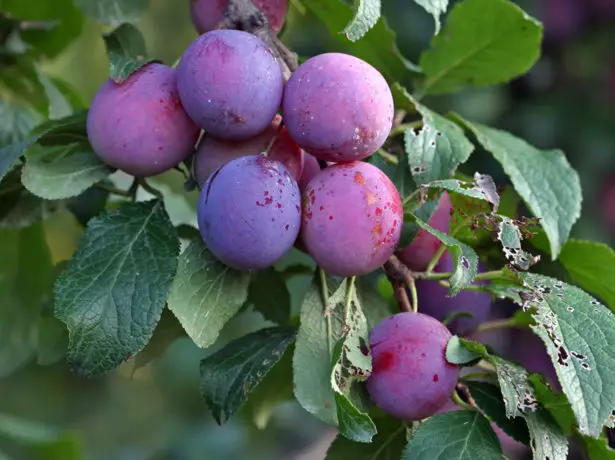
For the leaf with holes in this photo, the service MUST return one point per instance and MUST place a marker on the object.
(206, 294)
(483, 42)
(510, 237)
(112, 12)
(113, 291)
(229, 375)
(557, 404)
(366, 17)
(579, 334)
(126, 51)
(465, 188)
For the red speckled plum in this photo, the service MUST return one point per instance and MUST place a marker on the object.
(249, 212)
(214, 152)
(230, 84)
(433, 300)
(352, 218)
(139, 126)
(419, 253)
(410, 379)
(338, 107)
(206, 14)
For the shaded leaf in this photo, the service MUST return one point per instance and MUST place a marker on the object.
(366, 17)
(435, 8)
(387, 444)
(126, 51)
(464, 352)
(269, 295)
(112, 12)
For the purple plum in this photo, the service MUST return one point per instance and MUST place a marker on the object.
(352, 218)
(310, 169)
(207, 14)
(230, 84)
(139, 126)
(338, 107)
(410, 379)
(249, 212)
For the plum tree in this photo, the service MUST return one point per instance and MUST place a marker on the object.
(351, 240)
(434, 301)
(419, 253)
(352, 115)
(207, 14)
(310, 169)
(230, 84)
(140, 126)
(411, 378)
(214, 152)
(249, 212)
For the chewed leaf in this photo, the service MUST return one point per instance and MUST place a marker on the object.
(481, 189)
(510, 236)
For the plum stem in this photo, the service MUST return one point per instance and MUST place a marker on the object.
(460, 402)
(348, 298)
(400, 129)
(400, 277)
(415, 297)
(478, 375)
(114, 190)
(149, 189)
(497, 324)
(435, 259)
(325, 302)
(388, 157)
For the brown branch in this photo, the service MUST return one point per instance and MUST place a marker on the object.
(400, 277)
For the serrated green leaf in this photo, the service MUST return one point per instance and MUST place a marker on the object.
(544, 179)
(388, 444)
(579, 334)
(354, 424)
(67, 130)
(269, 295)
(366, 17)
(230, 374)
(60, 172)
(435, 8)
(462, 352)
(459, 435)
(126, 52)
(592, 266)
(488, 398)
(465, 188)
(206, 293)
(510, 237)
(378, 47)
(556, 404)
(547, 439)
(464, 257)
(112, 12)
(483, 42)
(113, 291)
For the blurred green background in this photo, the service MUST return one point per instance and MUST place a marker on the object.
(567, 101)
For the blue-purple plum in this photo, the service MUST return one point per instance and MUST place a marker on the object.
(338, 107)
(249, 212)
(230, 84)
(352, 218)
(410, 379)
(214, 152)
(207, 14)
(433, 300)
(419, 253)
(140, 126)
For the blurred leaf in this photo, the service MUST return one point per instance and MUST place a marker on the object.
(377, 47)
(579, 334)
(206, 294)
(21, 81)
(230, 374)
(435, 8)
(598, 449)
(18, 207)
(269, 295)
(67, 130)
(557, 404)
(112, 12)
(167, 331)
(59, 106)
(126, 51)
(543, 178)
(387, 444)
(488, 398)
(464, 352)
(16, 124)
(52, 341)
(11, 153)
(88, 204)
(484, 42)
(61, 172)
(113, 291)
(366, 17)
(378, 306)
(592, 266)
(459, 435)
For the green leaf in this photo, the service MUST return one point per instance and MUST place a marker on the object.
(388, 444)
(366, 17)
(459, 435)
(113, 291)
(510, 237)
(167, 331)
(435, 8)
(547, 439)
(465, 188)
(488, 398)
(126, 51)
(378, 47)
(230, 374)
(16, 123)
(598, 449)
(52, 341)
(592, 266)
(544, 179)
(269, 295)
(464, 257)
(67, 130)
(112, 12)
(353, 423)
(206, 293)
(579, 334)
(483, 42)
(463, 352)
(59, 106)
(556, 404)
(62, 172)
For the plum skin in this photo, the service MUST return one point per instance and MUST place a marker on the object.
(352, 218)
(230, 84)
(249, 212)
(433, 300)
(338, 107)
(410, 378)
(206, 14)
(140, 126)
(213, 152)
